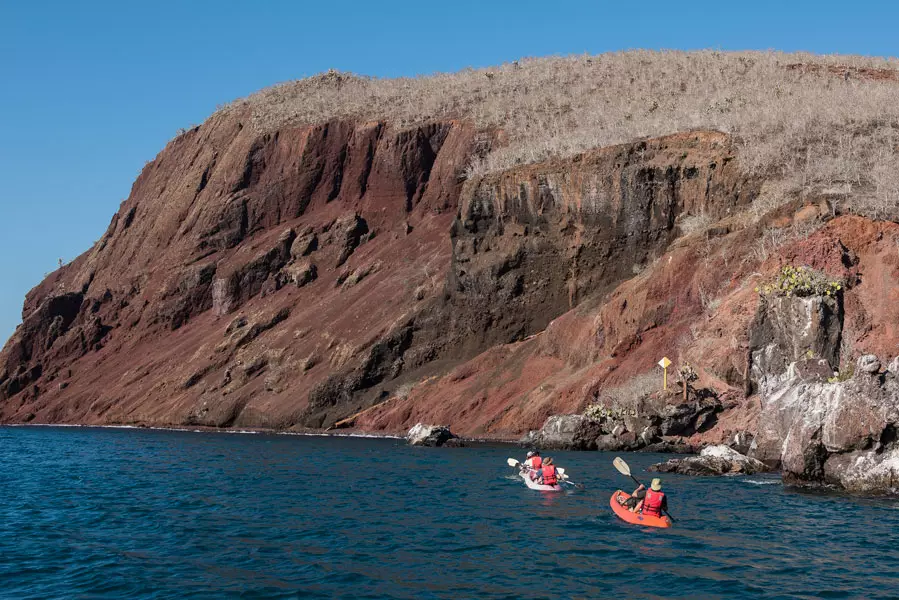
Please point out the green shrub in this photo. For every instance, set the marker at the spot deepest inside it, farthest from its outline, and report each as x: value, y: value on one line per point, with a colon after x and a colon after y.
x: 801, y: 282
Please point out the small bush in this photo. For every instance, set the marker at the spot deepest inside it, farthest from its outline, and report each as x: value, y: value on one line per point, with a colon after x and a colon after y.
x: 695, y: 223
x: 687, y: 374
x: 844, y: 374
x: 800, y: 282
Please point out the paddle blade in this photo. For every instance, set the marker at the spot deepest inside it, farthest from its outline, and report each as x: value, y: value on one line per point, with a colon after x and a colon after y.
x: 621, y: 466
x: 512, y: 462
x: 560, y: 471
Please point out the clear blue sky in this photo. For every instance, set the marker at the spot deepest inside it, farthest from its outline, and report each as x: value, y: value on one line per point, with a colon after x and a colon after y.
x: 91, y: 90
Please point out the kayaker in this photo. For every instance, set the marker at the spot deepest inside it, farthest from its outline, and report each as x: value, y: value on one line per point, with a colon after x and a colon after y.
x: 533, y: 461
x: 548, y: 475
x: 637, y: 495
x: 654, y: 503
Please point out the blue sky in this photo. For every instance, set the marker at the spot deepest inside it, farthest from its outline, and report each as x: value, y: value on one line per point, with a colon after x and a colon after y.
x: 91, y: 90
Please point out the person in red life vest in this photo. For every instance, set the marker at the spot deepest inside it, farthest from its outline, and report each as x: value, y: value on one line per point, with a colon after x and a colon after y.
x: 533, y: 461
x: 547, y: 473
x: 654, y: 503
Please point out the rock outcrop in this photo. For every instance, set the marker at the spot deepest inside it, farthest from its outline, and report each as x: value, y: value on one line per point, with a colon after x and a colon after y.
x: 712, y: 460
x: 429, y: 435
x: 842, y: 433
x: 567, y: 432
x: 653, y: 423
x: 790, y: 329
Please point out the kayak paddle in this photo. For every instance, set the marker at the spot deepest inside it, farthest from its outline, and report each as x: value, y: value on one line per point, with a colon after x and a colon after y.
x: 512, y: 462
x: 626, y: 470
x: 564, y: 479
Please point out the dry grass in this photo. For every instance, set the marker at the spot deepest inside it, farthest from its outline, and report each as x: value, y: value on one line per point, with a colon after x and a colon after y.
x: 774, y: 238
x: 816, y: 120
x: 695, y: 223
x: 628, y: 393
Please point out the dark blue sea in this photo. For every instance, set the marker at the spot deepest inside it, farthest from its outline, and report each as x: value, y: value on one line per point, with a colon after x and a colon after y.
x: 127, y: 513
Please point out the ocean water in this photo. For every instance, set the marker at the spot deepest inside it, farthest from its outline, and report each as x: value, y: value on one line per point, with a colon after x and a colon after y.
x: 110, y: 513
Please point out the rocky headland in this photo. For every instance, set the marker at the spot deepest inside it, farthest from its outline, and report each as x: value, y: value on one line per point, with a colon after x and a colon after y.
x: 282, y: 268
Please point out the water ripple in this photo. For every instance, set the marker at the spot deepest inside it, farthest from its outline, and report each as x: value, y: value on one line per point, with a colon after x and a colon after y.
x: 106, y: 513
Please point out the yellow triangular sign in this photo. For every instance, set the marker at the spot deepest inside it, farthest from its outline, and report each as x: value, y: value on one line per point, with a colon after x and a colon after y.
x: 664, y: 363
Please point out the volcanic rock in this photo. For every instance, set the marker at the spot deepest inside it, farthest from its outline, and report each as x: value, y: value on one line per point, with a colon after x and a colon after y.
x: 429, y: 435
x: 788, y: 329
x: 712, y: 460
x: 569, y: 432
x: 841, y: 433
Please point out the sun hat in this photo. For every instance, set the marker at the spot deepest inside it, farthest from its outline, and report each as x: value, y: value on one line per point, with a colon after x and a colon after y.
x: 656, y: 484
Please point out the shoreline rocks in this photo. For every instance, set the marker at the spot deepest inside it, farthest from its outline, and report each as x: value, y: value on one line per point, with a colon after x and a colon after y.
x: 431, y: 435
x: 843, y: 433
x: 712, y: 460
x: 651, y: 425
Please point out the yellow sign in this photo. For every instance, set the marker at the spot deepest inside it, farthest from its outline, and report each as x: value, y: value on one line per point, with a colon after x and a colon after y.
x: 665, y: 363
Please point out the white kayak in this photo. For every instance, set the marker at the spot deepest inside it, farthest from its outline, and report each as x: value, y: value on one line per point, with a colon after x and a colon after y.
x: 526, y: 475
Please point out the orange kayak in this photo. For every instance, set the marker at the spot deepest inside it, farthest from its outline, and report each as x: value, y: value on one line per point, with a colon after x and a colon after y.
x: 635, y: 518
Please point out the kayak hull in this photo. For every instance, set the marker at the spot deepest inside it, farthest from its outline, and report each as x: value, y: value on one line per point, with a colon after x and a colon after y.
x: 635, y: 518
x: 536, y: 486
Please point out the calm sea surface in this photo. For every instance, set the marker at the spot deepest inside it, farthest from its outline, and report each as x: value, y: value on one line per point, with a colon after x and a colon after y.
x: 113, y: 513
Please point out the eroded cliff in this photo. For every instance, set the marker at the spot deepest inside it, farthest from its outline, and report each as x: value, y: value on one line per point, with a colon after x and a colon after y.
x: 351, y: 274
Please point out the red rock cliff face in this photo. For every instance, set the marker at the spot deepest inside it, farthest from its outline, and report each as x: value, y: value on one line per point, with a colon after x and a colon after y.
x: 294, y: 279
x: 241, y: 270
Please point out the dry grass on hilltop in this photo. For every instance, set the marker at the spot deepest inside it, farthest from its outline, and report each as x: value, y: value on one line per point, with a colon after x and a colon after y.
x: 810, y: 120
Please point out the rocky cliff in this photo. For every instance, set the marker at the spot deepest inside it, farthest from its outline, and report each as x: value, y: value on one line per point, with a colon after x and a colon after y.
x: 356, y: 274
x: 293, y: 278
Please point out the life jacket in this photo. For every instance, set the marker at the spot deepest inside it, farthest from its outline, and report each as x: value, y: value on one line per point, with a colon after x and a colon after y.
x: 535, y: 462
x: 549, y: 475
x: 652, y: 503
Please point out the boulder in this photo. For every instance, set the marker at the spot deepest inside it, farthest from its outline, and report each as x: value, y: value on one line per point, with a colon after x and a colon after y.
x: 670, y: 447
x: 647, y: 422
x: 302, y: 273
x: 455, y: 442
x: 569, y: 432
x: 713, y: 460
x: 607, y: 443
x: 864, y: 472
x: 529, y: 440
x: 429, y: 435
x: 869, y: 364
x: 305, y: 244
x: 349, y: 232
x: 687, y: 418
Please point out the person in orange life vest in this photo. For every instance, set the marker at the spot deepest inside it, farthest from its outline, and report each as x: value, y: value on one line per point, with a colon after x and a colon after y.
x: 533, y: 461
x: 654, y: 503
x: 547, y: 473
